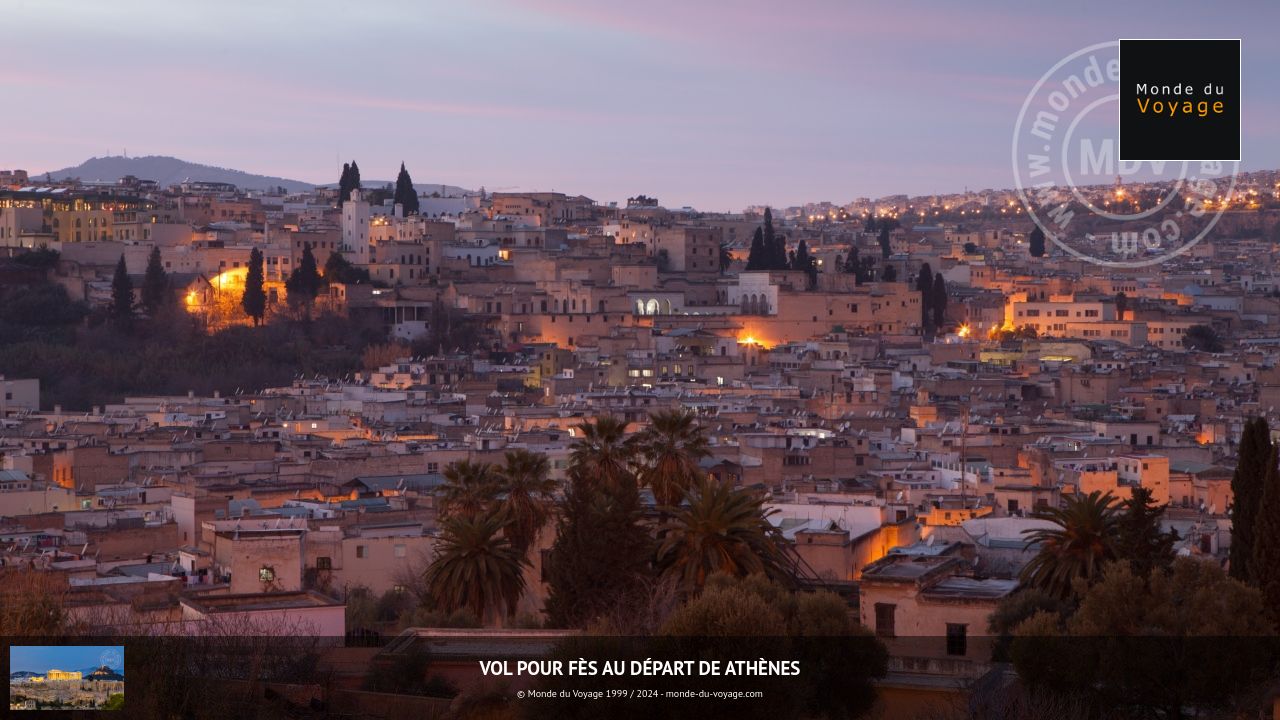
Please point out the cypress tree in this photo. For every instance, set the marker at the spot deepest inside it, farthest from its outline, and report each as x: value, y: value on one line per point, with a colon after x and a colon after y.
x: 121, y: 307
x: 939, y: 300
x: 889, y: 274
x: 355, y: 176
x: 601, y: 555
x: 254, y: 300
x: 1036, y: 242
x: 304, y: 282
x: 885, y: 249
x: 924, y: 285
x: 344, y: 183
x: 756, y: 259
x: 775, y: 247
x: 1265, y: 564
x: 155, y: 284
x: 405, y: 195
x: 1246, y: 488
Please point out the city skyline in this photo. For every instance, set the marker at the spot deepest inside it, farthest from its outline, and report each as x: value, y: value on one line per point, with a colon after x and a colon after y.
x: 823, y: 102
x: 42, y: 658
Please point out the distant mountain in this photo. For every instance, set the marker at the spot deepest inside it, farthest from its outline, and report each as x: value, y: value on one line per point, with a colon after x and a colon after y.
x: 22, y: 675
x: 102, y: 673
x: 168, y: 171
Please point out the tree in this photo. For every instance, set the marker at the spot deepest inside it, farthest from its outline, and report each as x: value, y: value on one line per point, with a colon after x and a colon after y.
x: 406, y: 196
x: 1203, y: 338
x: 1140, y: 540
x: 924, y: 285
x: 970, y: 249
x: 349, y: 181
x: 1190, y: 637
x: 885, y: 248
x: 121, y: 307
x: 775, y: 246
x: 469, y: 488
x: 889, y: 274
x: 1083, y: 541
x: 602, y: 555
x: 476, y: 567
x: 671, y: 448
x: 602, y: 455
x: 526, y: 495
x: 337, y: 269
x: 1122, y: 302
x: 304, y: 282
x: 721, y: 529
x: 1246, y: 489
x: 1266, y: 541
x: 726, y: 258
x: 1035, y: 242
x: 254, y: 300
x: 155, y: 284
x: 756, y: 258
x: 938, y: 299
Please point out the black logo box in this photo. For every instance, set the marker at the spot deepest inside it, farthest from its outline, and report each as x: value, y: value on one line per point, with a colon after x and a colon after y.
x: 1186, y: 65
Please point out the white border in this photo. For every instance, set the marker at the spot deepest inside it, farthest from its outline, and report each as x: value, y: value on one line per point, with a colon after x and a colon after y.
x: 1239, y: 108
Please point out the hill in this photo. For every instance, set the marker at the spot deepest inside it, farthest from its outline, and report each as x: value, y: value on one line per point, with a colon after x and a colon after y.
x: 170, y: 171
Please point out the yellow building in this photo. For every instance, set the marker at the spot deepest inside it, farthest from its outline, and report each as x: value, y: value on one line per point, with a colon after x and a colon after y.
x: 63, y: 675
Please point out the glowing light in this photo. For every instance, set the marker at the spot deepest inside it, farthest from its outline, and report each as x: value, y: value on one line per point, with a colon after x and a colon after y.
x: 964, y: 331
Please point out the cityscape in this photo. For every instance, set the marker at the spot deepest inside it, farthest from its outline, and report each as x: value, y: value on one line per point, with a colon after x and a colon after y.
x: 448, y: 431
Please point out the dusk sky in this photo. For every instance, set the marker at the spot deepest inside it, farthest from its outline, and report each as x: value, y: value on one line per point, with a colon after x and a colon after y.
x: 42, y: 658
x: 712, y: 104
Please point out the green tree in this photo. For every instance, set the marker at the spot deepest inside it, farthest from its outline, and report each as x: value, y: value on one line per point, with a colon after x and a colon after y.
x: 1203, y: 338
x: 890, y: 273
x: 469, y: 488
x: 601, y: 557
x: 526, y: 495
x: 155, y: 284
x: 1190, y: 637
x: 1083, y: 541
x: 1122, y: 303
x: 1266, y: 541
x: 601, y: 454
x: 924, y: 285
x: 1246, y: 489
x: 121, y: 307
x: 337, y: 269
x: 304, y: 283
x: 406, y: 196
x: 115, y: 701
x: 720, y: 529
x: 349, y: 181
x: 1140, y: 540
x: 476, y: 567
x: 970, y: 249
x: 938, y: 300
x: 1035, y: 242
x: 671, y: 448
x: 756, y: 258
x: 254, y: 299
x: 886, y: 249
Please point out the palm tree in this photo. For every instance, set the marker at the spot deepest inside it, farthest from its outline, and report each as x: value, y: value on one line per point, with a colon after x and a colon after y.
x: 720, y: 529
x: 671, y: 447
x: 1083, y: 541
x: 602, y: 454
x: 469, y: 488
x: 526, y: 495
x: 476, y: 566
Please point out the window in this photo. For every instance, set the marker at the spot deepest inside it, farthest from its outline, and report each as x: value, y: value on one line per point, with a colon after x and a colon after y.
x: 957, y: 639
x: 884, y: 619
x: 360, y: 551
x: 324, y: 563
x: 267, y: 574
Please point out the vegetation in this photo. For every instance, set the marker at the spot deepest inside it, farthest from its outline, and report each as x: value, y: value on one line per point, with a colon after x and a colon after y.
x: 156, y: 292
x: 338, y: 269
x: 469, y: 488
x: 1265, y: 566
x: 406, y: 196
x: 526, y: 496
x: 349, y: 181
x: 768, y: 249
x: 121, y: 307
x: 476, y: 567
x: 1246, y: 487
x: 1035, y: 242
x: 1083, y: 541
x: 721, y: 529
x: 671, y: 448
x: 254, y: 300
x: 304, y: 283
x: 1203, y: 338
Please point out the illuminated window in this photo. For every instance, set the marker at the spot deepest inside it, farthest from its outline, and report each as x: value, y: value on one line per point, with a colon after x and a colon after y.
x: 267, y: 574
